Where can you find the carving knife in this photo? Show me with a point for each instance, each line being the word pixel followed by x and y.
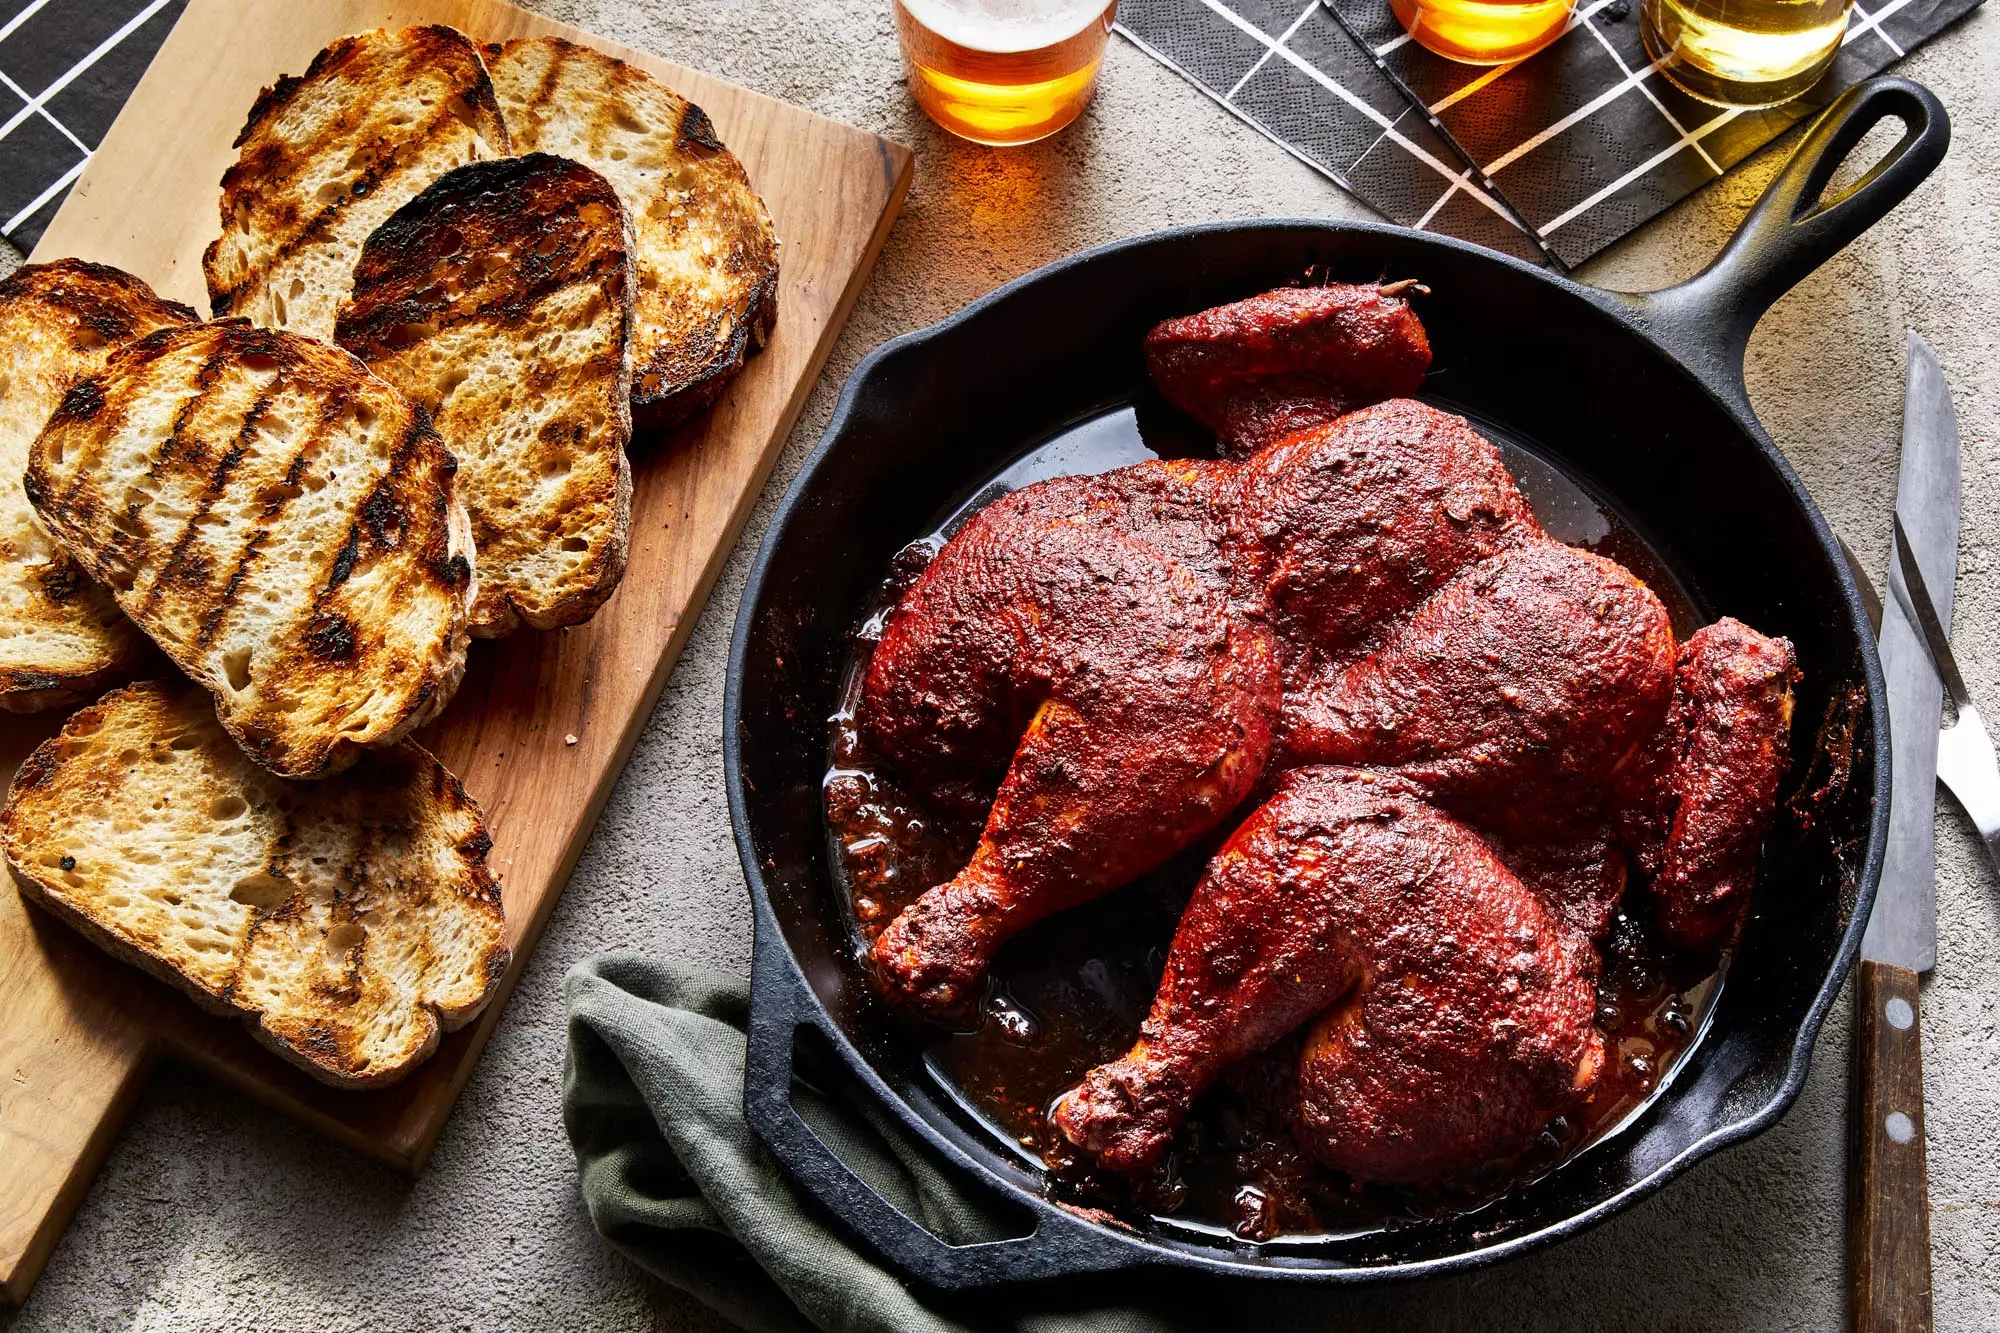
pixel 1889 1261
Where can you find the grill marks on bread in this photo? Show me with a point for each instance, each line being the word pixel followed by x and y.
pixel 282 522
pixel 61 636
pixel 325 158
pixel 500 300
pixel 348 922
pixel 706 253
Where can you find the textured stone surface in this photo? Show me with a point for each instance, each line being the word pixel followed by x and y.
pixel 213 1213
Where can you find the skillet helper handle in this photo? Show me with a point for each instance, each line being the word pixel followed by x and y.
pixel 1888 1229
pixel 1791 230
pixel 1060 1244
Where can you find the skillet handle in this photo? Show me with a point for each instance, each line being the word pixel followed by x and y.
pixel 1061 1244
pixel 1791 231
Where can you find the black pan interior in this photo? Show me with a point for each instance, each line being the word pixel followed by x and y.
pixel 936 417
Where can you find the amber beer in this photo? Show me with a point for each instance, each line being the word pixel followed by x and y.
pixel 1483 32
pixel 1003 71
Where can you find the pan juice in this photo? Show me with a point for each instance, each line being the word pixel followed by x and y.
pixel 1070 992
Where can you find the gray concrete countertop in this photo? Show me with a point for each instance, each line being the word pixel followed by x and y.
pixel 212 1213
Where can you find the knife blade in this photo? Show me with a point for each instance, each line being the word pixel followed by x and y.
pixel 1903 929
pixel 1966 763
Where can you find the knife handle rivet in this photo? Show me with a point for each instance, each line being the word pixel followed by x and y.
pixel 1900 1127
pixel 1900 1016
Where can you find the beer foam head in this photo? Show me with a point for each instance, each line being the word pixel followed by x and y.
pixel 1006 25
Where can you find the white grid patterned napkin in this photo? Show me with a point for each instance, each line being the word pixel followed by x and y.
pixel 1551 158
pixel 66 67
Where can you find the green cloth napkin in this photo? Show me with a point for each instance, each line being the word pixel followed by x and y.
pixel 673 1177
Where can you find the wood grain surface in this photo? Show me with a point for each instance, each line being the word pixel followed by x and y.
pixel 1889 1221
pixel 543 723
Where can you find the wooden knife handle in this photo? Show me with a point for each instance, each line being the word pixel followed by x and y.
pixel 1889 1214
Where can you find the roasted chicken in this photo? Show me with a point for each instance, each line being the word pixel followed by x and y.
pixel 1455 740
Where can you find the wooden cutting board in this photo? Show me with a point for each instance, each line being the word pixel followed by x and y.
pixel 543 723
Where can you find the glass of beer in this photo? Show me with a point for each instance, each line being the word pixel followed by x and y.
pixel 1003 71
pixel 1483 32
pixel 1743 53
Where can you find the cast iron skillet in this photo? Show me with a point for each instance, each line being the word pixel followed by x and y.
pixel 1639 396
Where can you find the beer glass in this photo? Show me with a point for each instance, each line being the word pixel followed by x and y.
pixel 1483 32
pixel 1003 71
pixel 1743 53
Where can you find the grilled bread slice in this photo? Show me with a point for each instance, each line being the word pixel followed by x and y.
pixel 707 256
pixel 348 922
pixel 62 638
pixel 283 523
pixel 500 300
pixel 325 158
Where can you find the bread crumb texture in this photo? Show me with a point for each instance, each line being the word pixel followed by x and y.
pixel 350 922
pixel 326 157
pixel 62 639
pixel 284 524
pixel 707 254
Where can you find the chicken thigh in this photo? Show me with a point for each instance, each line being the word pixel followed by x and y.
pixel 1456 1011
pixel 1130 710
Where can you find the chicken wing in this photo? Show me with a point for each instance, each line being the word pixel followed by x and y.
pixel 1697 800
pixel 1257 370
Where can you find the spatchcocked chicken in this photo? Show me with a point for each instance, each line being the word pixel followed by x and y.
pixel 1445 742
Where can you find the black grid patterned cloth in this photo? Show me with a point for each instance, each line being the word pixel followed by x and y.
pixel 66 67
pixel 1551 158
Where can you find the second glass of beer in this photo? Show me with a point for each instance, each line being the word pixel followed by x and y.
pixel 1483 32
pixel 1003 71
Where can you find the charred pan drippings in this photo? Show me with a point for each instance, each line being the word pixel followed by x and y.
pixel 1830 766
